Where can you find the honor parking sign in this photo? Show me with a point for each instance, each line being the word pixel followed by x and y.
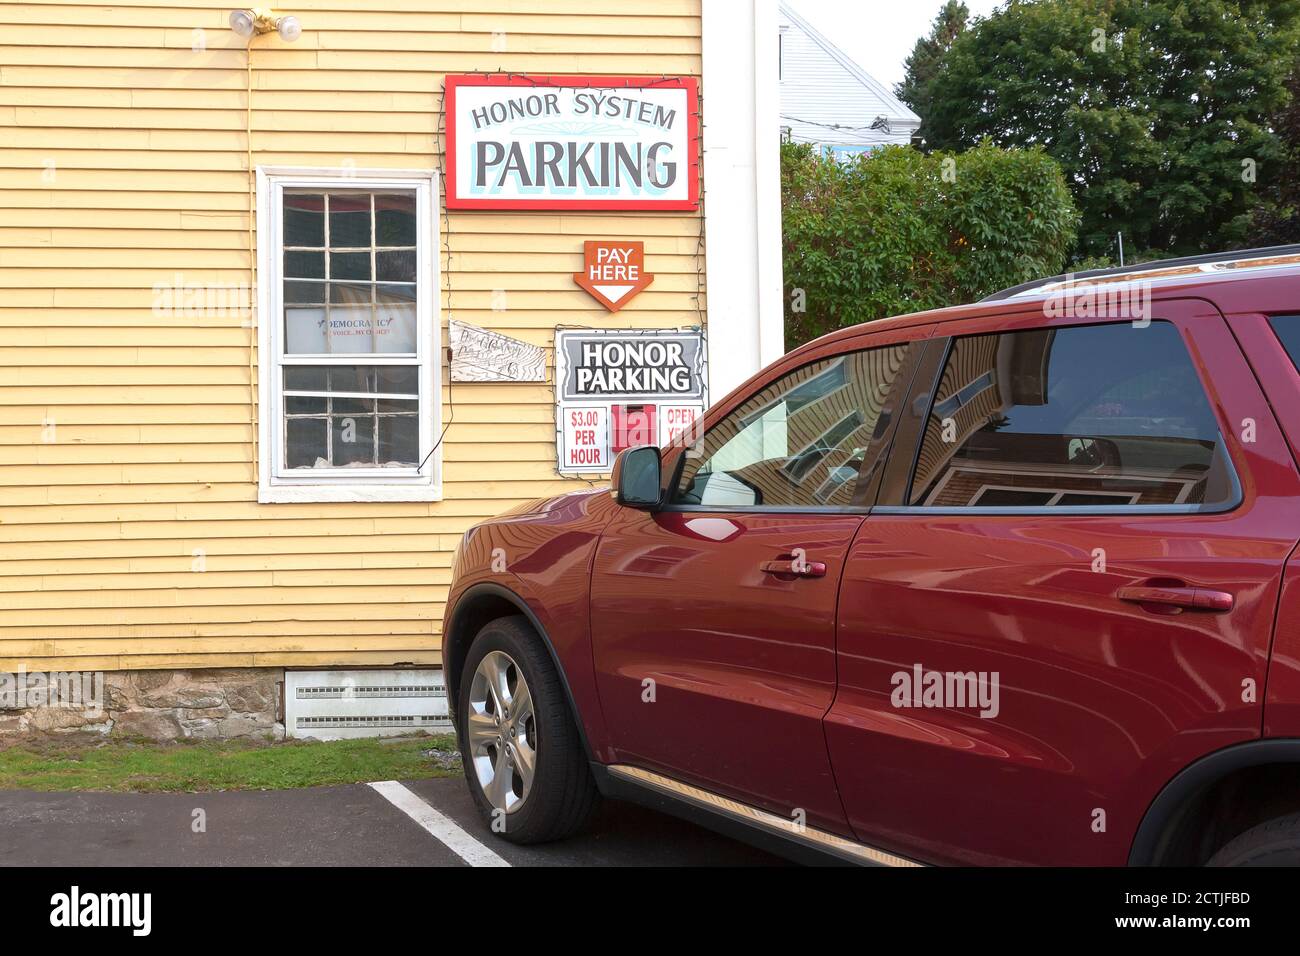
pixel 616 389
pixel 556 142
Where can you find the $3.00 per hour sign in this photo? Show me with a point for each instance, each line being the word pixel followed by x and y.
pixel 619 388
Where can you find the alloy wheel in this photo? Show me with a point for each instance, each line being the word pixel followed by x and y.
pixel 502 731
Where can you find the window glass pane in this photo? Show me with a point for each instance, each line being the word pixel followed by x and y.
pixel 349 222
pixel 306 405
pixel 394 323
pixel 352 406
pixel 1287 329
pixel 353 439
pixel 390 292
pixel 304 292
pixel 395 266
pixel 799 442
pixel 306 378
pixel 1102 415
pixel 305 442
pixel 399 434
pixel 350 265
pixel 304 220
pixel 395 220
pixel 351 293
pixel 304 265
pixel 397 379
pixel 304 331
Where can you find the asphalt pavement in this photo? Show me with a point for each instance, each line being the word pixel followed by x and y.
pixel 429 822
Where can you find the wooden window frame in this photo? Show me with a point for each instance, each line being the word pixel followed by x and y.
pixel 277 484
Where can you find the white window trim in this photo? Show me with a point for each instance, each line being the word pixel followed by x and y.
pixel 426 485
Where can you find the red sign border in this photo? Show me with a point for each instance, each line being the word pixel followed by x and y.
pixel 688 83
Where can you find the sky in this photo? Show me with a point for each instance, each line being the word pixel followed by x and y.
pixel 878 34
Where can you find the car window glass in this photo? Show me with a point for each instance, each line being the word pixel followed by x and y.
pixel 1097 416
pixel 798 442
pixel 1287 330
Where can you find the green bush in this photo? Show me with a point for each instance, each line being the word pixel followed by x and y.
pixel 899 231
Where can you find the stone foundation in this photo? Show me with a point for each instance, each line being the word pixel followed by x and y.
pixel 215 704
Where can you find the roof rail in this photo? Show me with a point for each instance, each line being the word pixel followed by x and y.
pixel 1233 256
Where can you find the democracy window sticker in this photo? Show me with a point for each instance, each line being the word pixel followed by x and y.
pixel 553 142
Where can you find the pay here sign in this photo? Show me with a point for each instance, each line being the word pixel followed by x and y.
pixel 570 142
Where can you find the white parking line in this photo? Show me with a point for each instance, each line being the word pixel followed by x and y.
pixel 440 826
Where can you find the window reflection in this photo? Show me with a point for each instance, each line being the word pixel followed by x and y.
pixel 1098 416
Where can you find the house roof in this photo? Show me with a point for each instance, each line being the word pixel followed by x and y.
pixel 897 110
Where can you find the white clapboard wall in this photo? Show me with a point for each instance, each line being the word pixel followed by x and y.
pixel 331 705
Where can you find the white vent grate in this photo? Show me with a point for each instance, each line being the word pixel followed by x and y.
pixel 330 705
pixel 334 693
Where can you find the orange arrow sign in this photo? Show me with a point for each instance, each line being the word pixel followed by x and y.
pixel 614 271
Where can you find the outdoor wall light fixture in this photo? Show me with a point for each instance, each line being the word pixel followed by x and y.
pixel 247 23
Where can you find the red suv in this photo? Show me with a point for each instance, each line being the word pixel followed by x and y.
pixel 1009 583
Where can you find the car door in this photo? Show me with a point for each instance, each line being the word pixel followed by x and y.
pixel 1065 592
pixel 713 617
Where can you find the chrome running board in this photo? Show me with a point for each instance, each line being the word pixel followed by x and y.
pixel 761 819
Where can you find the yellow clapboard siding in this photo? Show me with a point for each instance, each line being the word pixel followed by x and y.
pixel 201 531
pixel 289 659
pixel 127 428
pixel 289 628
pixel 550 18
pixel 566 57
pixel 119 434
pixel 131 661
pixel 192 600
pixel 199 585
pixel 156 413
pixel 225 515
pixel 143 339
pixel 93 570
pixel 260 644
pixel 116 355
pixel 264 546
pixel 64 616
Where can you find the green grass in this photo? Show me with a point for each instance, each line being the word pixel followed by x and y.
pixel 147 767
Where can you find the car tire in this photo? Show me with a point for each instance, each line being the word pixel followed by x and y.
pixel 1274 843
pixel 508 666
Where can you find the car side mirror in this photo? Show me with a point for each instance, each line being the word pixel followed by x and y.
pixel 636 477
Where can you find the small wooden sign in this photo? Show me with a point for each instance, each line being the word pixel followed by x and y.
pixel 480 355
pixel 613 271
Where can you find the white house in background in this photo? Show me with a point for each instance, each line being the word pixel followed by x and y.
pixel 829 100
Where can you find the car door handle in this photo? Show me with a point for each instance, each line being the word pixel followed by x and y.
pixel 793 568
pixel 1181 598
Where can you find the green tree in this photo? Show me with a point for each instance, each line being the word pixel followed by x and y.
pixel 1153 108
pixel 1276 220
pixel 926 56
pixel 898 231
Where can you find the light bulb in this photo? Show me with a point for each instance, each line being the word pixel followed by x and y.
pixel 242 22
pixel 289 28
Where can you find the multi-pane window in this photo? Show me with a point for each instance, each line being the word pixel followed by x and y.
pixel 352 386
pixel 1099 416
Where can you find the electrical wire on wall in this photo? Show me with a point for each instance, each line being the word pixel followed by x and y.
pixel 252 256
pixel 440 160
